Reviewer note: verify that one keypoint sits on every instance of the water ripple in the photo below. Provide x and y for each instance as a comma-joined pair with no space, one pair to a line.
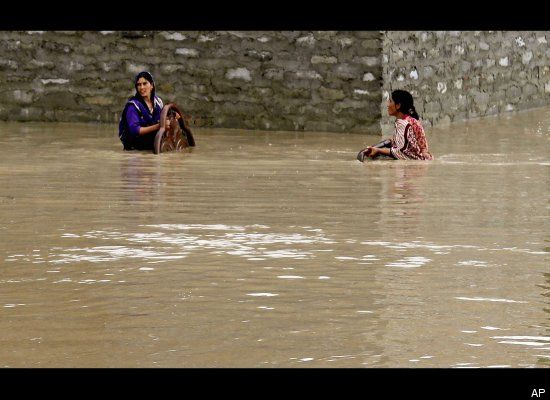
409,262
534,341
176,241
168,242
489,299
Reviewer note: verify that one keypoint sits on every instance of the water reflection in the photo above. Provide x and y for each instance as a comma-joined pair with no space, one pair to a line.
405,193
139,181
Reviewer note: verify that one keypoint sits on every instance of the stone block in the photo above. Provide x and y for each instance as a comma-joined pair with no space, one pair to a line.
526,57
369,77
295,93
427,72
529,90
201,73
369,61
513,92
37,65
165,88
259,55
99,100
331,94
371,44
92,49
310,75
187,52
307,41
262,93
28,114
238,73
176,36
484,46
492,109
466,67
274,74
346,72
23,96
325,35
8,64
352,106
375,35
323,60
481,99
59,99
432,107
344,42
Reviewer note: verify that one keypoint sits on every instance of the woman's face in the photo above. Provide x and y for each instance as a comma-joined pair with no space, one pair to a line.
392,107
144,87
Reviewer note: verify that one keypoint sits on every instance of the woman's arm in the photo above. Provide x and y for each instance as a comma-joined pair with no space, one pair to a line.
133,121
375,151
148,129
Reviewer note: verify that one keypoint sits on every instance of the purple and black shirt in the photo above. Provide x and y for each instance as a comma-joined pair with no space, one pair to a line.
135,115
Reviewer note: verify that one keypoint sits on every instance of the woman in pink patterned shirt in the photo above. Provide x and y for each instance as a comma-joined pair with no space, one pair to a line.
408,141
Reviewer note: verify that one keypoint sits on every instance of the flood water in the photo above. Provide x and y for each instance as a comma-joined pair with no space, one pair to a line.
275,249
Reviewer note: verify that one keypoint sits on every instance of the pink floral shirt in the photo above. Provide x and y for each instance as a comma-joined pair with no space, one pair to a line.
409,141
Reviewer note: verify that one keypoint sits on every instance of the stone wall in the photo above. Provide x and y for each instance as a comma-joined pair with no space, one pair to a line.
461,75
274,80
314,81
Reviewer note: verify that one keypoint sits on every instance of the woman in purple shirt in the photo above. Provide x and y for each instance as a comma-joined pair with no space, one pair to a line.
141,115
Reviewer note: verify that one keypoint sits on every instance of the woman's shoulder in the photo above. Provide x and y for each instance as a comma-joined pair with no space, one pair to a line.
414,121
416,125
159,102
132,102
401,123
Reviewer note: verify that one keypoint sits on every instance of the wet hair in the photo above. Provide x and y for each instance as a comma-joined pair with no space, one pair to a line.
148,77
405,99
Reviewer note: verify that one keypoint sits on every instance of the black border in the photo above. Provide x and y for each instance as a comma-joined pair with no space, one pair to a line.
274,15
488,383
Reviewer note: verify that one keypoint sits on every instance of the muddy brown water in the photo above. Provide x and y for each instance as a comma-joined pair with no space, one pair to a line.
275,249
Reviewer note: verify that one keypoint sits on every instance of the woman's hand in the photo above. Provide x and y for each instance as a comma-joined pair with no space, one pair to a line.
372,152
148,129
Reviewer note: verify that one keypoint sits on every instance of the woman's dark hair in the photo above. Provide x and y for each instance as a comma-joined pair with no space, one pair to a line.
149,77
405,99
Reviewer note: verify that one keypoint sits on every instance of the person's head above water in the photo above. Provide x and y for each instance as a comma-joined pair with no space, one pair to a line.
145,85
401,101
